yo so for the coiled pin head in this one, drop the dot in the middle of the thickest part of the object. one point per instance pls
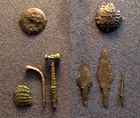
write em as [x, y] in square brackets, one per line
[52, 57]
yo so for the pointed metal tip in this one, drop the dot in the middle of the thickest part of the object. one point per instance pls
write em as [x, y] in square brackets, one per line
[122, 76]
[105, 105]
[105, 55]
[83, 61]
[85, 103]
[105, 50]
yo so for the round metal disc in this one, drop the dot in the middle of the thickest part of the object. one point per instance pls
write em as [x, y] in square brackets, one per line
[33, 20]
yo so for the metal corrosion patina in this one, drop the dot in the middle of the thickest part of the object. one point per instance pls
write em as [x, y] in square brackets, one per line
[22, 96]
[121, 91]
[108, 17]
[33, 20]
[53, 58]
[84, 81]
[105, 75]
[43, 80]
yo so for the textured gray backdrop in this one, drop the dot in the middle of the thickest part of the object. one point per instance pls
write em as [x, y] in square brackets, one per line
[87, 42]
[17, 49]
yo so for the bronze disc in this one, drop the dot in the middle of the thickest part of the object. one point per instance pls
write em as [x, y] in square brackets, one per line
[33, 20]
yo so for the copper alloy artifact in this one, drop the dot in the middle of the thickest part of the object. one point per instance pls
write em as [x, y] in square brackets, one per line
[22, 96]
[84, 81]
[43, 80]
[108, 17]
[105, 75]
[121, 93]
[53, 58]
[33, 20]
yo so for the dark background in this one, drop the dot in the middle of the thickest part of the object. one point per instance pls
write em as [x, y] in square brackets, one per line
[18, 49]
[87, 43]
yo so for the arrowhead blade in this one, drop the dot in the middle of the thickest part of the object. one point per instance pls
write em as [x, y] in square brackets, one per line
[121, 92]
[84, 81]
[105, 75]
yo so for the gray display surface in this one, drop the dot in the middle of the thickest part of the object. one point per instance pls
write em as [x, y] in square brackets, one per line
[76, 37]
[18, 49]
[87, 43]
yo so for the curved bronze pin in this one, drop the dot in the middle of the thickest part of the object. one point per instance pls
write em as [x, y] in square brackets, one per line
[53, 58]
[43, 80]
[105, 75]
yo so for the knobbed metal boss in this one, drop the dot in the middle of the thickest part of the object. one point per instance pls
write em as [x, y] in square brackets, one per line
[33, 20]
[53, 58]
[108, 17]
[22, 96]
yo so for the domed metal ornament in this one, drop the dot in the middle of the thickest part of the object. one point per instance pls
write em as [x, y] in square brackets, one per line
[33, 20]
[22, 96]
[108, 17]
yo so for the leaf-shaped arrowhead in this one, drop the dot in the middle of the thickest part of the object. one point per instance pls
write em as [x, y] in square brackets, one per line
[105, 75]
[84, 80]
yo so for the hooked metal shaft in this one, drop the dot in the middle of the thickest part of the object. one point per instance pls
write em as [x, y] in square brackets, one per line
[43, 80]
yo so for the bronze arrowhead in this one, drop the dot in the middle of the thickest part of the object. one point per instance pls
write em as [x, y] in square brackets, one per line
[105, 75]
[84, 81]
[121, 92]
